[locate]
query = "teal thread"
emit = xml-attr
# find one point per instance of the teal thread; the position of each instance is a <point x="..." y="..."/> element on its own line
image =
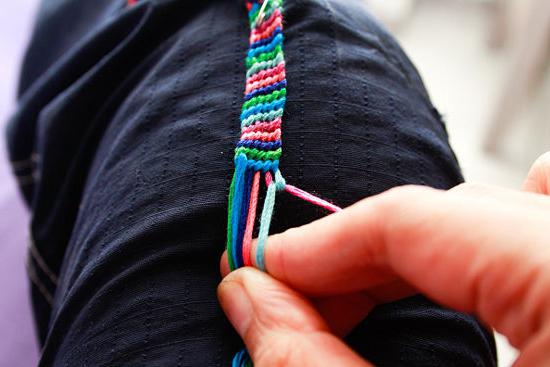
<point x="265" y="221"/>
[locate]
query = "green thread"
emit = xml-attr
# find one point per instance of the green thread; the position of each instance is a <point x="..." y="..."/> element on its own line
<point x="267" y="98"/>
<point x="262" y="116"/>
<point x="256" y="154"/>
<point x="229" y="227"/>
<point x="259" y="66"/>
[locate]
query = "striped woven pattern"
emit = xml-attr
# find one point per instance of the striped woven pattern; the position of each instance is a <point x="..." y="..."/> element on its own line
<point x="259" y="149"/>
<point x="265" y="92"/>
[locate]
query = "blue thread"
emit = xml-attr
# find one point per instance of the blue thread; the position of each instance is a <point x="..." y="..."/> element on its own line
<point x="240" y="168"/>
<point x="263" y="108"/>
<point x="277" y="40"/>
<point x="255" y="7"/>
<point x="266" y="90"/>
<point x="241" y="359"/>
<point x="244" y="215"/>
<point x="263" y="165"/>
<point x="258" y="144"/>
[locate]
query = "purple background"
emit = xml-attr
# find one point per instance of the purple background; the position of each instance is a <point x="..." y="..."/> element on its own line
<point x="18" y="347"/>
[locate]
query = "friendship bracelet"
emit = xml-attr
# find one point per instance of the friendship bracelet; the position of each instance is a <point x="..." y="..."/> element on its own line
<point x="258" y="151"/>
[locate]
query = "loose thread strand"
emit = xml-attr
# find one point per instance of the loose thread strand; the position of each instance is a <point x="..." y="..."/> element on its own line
<point x="265" y="222"/>
<point x="247" y="239"/>
<point x="306" y="196"/>
<point x="240" y="168"/>
<point x="299" y="193"/>
<point x="229" y="220"/>
<point x="244" y="214"/>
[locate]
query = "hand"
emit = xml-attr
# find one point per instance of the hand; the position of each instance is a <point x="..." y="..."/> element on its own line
<point x="476" y="249"/>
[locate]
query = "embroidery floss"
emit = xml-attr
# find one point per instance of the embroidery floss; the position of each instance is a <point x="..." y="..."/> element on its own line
<point x="258" y="151"/>
<point x="260" y="147"/>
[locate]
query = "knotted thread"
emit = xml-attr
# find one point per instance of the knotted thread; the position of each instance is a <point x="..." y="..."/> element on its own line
<point x="258" y="151"/>
<point x="260" y="146"/>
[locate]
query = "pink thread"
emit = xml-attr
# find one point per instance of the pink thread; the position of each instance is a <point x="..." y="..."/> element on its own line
<point x="267" y="22"/>
<point x="265" y="82"/>
<point x="266" y="73"/>
<point x="247" y="238"/>
<point x="293" y="190"/>
<point x="263" y="126"/>
<point x="271" y="25"/>
<point x="306" y="196"/>
<point x="273" y="136"/>
<point x="268" y="178"/>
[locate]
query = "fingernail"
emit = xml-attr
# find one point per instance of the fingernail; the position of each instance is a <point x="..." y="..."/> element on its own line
<point x="236" y="304"/>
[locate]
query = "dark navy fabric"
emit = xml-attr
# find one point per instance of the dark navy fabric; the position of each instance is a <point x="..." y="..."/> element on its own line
<point x="123" y="146"/>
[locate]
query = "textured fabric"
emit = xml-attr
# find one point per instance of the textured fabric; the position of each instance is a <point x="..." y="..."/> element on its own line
<point x="127" y="120"/>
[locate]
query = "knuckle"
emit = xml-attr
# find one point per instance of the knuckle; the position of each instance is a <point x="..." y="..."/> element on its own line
<point x="468" y="187"/>
<point x="382" y="211"/>
<point x="395" y="197"/>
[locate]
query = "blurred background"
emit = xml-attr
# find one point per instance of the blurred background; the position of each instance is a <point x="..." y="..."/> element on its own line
<point x="486" y="64"/>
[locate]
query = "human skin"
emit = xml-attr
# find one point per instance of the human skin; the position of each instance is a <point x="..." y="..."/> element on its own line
<point x="477" y="249"/>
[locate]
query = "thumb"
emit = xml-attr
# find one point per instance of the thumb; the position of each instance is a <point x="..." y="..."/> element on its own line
<point x="279" y="326"/>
